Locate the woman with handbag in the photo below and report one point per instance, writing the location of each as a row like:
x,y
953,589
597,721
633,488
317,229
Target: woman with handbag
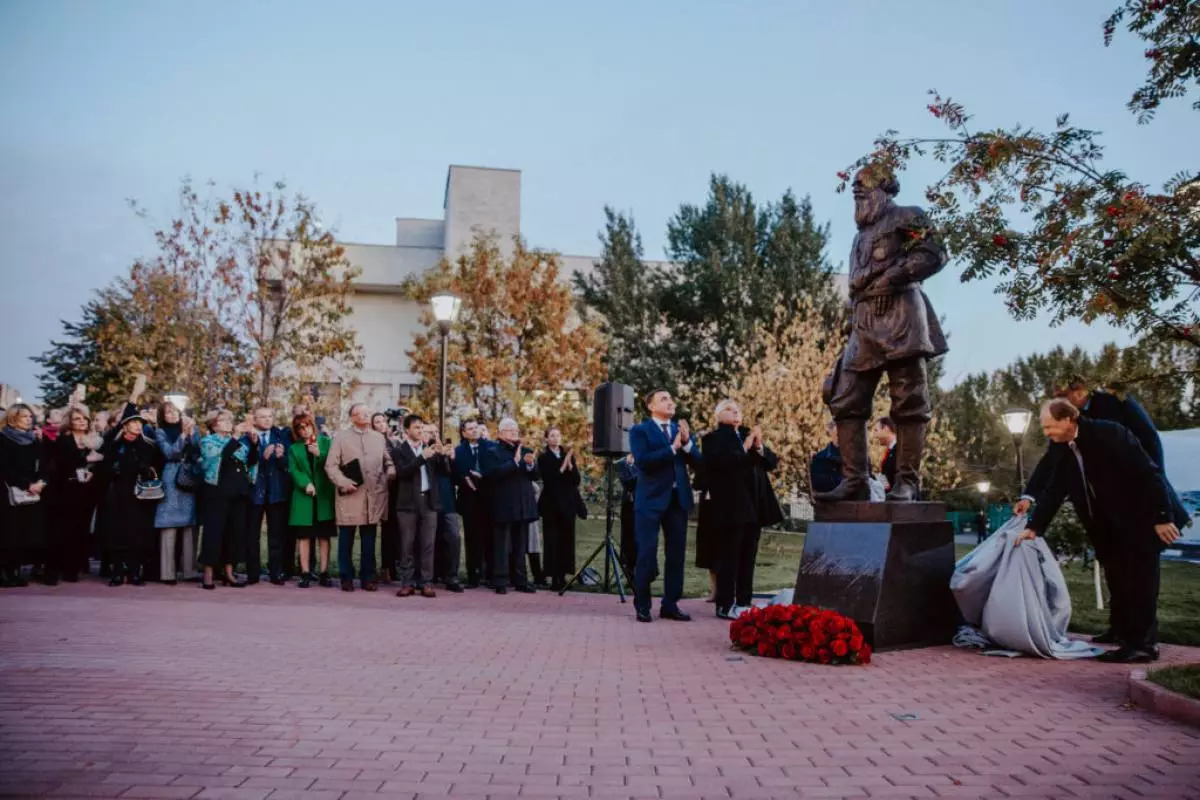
x,y
226,461
74,494
134,489
175,516
22,514
311,514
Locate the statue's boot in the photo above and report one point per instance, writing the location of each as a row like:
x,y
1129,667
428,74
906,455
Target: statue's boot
x,y
852,442
910,445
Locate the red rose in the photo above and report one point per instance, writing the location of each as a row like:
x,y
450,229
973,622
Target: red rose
x,y
788,651
748,637
864,655
856,642
819,638
824,656
764,649
808,652
999,240
839,648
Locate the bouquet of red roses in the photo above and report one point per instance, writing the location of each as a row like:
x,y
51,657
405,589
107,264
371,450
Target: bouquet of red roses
x,y
800,633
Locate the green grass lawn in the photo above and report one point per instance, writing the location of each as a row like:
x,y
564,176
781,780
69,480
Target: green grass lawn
x,y
1184,679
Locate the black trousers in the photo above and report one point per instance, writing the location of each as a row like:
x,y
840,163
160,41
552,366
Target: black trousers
x,y
276,515
389,543
223,533
477,541
1133,580
558,542
447,548
735,567
509,542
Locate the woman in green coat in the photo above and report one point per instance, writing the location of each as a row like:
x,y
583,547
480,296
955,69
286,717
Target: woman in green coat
x,y
311,514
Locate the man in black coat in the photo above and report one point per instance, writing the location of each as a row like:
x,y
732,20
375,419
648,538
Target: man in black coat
x,y
825,469
416,507
1125,505
1100,405
472,502
741,502
510,471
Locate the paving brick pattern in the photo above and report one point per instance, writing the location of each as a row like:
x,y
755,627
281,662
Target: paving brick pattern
x,y
271,693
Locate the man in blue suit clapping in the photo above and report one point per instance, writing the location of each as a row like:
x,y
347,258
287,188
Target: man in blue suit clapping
x,y
661,450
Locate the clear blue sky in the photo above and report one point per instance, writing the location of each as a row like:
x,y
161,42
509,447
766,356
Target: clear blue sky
x,y
362,105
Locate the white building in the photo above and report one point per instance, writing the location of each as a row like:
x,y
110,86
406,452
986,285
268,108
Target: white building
x,y
477,199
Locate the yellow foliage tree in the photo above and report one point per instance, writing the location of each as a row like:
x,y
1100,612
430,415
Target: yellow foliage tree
x,y
517,349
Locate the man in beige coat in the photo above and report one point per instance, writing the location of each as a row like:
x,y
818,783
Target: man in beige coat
x,y
359,506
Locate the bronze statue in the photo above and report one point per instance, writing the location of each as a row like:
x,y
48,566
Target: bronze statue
x,y
892,328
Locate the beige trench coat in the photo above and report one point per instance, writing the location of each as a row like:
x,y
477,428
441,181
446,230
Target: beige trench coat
x,y
369,504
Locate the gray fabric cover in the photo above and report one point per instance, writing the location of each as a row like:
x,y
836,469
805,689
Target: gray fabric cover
x,y
1017,596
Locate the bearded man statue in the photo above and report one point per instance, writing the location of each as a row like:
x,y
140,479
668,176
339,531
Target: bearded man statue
x,y
893,329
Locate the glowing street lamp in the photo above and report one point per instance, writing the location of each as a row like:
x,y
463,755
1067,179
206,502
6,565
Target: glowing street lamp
x,y
1017,422
445,311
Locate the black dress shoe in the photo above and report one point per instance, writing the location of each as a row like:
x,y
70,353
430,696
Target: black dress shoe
x,y
253,581
305,582
1129,655
347,586
232,583
725,612
527,589
454,587
325,580
675,614
644,616
208,586
1108,637
171,582
501,590
472,584
278,581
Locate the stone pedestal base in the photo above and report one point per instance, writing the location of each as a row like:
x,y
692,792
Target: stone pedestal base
x,y
885,565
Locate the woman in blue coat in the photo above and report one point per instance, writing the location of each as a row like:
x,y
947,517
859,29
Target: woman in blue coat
x,y
175,516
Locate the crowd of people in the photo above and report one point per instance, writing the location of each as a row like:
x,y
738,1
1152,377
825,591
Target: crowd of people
x,y
153,496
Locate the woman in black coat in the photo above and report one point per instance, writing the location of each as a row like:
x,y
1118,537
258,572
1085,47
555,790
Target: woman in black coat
x,y
74,493
24,471
559,506
129,521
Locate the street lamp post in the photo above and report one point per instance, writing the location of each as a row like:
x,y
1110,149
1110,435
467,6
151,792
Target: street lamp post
x,y
1017,422
445,311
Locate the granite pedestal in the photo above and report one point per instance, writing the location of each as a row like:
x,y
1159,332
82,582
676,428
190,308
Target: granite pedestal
x,y
885,565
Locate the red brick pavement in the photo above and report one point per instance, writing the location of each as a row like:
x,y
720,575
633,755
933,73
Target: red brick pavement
x,y
270,692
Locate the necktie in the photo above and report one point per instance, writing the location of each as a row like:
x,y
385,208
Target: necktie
x,y
1087,487
666,430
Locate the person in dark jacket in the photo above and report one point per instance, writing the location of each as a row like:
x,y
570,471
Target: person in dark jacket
x,y
627,473
75,493
416,508
472,502
227,461
1125,506
25,471
447,540
736,463
510,471
825,469
269,500
1100,405
129,458
559,505
389,529
708,541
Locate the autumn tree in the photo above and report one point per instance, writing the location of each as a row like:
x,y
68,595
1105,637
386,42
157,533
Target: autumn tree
x,y
243,299
1058,231
517,349
292,283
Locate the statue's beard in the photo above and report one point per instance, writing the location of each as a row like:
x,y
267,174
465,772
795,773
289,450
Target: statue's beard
x,y
868,210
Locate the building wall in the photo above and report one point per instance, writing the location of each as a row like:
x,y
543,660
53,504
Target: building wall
x,y
479,199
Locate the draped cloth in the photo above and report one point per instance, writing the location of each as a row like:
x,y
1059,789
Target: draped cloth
x,y
1015,597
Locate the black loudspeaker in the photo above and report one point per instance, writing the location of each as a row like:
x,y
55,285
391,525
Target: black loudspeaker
x,y
612,417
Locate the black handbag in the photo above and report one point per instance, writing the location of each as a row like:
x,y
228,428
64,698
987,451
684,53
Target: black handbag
x,y
187,478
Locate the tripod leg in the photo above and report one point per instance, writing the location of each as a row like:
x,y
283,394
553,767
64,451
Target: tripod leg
x,y
616,566
579,574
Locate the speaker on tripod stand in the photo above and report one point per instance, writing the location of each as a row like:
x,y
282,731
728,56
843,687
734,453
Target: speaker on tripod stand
x,y
612,417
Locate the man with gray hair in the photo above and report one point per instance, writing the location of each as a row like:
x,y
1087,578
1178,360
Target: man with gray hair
x,y
359,466
510,471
